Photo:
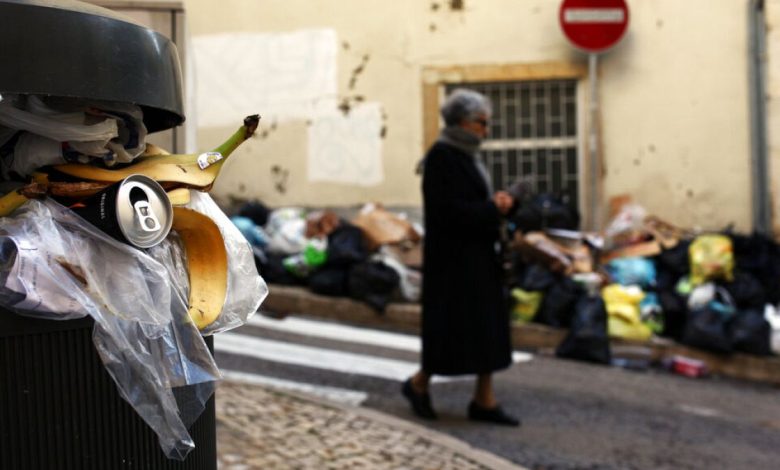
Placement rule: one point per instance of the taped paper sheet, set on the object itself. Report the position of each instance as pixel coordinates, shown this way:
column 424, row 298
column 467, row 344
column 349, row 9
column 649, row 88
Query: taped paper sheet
column 280, row 75
column 347, row 148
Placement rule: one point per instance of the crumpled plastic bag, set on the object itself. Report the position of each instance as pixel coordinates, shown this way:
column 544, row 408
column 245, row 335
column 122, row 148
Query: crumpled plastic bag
column 632, row 270
column 627, row 226
column 246, row 290
column 55, row 265
column 410, row 280
column 286, row 229
column 112, row 132
column 711, row 258
column 525, row 304
column 314, row 255
column 625, row 319
column 772, row 315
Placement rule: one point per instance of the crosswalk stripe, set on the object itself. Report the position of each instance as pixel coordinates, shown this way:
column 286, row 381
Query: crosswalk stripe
column 350, row 333
column 339, row 395
column 338, row 332
column 308, row 356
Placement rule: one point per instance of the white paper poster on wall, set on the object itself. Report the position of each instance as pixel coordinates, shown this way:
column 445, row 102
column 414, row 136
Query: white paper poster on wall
column 347, row 148
column 277, row 75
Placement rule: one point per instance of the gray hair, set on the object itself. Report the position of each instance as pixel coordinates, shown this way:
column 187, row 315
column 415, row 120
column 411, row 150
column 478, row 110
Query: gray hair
column 463, row 105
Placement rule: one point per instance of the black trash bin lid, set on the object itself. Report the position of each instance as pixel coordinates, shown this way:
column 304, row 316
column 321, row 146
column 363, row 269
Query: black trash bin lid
column 73, row 49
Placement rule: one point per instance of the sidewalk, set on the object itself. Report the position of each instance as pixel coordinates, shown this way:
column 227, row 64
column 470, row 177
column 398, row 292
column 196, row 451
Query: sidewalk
column 263, row 428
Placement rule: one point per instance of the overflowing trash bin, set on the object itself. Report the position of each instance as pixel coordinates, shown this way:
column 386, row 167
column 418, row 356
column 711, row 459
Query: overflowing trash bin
column 116, row 267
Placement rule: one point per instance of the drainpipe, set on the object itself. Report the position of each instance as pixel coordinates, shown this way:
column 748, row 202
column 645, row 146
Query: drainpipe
column 759, row 163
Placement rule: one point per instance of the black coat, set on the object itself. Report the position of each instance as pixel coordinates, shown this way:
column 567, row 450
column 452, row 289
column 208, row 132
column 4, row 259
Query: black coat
column 465, row 324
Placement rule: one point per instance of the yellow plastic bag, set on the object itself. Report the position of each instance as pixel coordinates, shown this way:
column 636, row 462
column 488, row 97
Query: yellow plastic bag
column 526, row 304
column 711, row 257
column 624, row 318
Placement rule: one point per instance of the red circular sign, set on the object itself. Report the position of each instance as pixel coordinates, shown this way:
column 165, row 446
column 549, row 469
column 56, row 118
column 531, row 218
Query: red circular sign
column 593, row 25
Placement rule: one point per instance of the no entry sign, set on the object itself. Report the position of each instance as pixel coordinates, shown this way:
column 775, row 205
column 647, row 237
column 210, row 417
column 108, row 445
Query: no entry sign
column 593, row 25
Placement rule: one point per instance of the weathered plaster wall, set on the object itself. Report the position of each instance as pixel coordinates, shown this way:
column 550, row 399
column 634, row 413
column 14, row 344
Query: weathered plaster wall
column 674, row 128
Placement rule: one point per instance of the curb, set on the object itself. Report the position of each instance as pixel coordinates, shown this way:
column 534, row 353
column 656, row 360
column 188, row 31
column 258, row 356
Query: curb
column 283, row 300
column 455, row 445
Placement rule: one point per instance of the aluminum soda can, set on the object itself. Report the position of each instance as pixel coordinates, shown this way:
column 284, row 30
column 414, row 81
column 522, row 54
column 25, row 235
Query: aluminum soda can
column 135, row 210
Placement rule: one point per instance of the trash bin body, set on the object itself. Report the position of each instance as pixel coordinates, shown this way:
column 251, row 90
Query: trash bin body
column 59, row 408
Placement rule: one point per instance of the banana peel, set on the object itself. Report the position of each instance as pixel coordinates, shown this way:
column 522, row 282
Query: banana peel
column 14, row 199
column 179, row 196
column 186, row 170
column 207, row 264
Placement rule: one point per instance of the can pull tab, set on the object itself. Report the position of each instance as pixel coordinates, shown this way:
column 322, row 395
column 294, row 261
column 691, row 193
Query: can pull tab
column 143, row 210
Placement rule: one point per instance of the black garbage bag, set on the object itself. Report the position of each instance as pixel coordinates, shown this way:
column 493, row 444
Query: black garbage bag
column 330, row 280
column 707, row 328
column 675, row 311
column 534, row 277
column 751, row 333
column 544, row 211
column 746, row 291
column 587, row 339
column 273, row 271
column 557, row 308
column 675, row 260
column 759, row 255
column 255, row 210
column 374, row 283
column 346, row 245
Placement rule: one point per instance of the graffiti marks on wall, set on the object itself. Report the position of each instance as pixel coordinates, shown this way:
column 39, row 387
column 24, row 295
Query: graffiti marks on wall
column 279, row 75
column 347, row 147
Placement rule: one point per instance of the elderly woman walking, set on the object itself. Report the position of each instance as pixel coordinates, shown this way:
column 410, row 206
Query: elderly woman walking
column 465, row 319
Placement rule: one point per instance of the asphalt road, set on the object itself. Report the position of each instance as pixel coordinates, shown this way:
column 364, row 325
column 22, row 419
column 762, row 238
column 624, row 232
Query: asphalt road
column 575, row 415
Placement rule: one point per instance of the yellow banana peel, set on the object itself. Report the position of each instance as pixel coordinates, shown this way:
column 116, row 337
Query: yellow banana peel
column 10, row 202
column 179, row 196
column 207, row 264
column 176, row 168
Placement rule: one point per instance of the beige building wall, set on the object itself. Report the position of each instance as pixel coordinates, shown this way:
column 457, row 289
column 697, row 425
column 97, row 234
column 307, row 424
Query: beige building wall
column 674, row 95
column 773, row 106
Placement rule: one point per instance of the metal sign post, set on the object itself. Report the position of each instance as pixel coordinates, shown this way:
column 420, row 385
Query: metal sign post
column 593, row 143
column 593, row 26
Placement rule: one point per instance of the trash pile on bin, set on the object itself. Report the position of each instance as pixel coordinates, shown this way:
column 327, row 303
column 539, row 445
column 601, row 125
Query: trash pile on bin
column 642, row 277
column 374, row 258
column 82, row 194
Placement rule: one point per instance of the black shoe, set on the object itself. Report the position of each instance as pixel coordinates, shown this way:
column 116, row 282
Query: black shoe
column 421, row 402
column 491, row 415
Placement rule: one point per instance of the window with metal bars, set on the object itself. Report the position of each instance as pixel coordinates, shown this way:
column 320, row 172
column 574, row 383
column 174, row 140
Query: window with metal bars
column 533, row 135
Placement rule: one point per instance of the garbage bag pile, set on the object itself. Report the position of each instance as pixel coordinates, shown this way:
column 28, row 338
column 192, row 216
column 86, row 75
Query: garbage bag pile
column 151, row 305
column 644, row 277
column 374, row 258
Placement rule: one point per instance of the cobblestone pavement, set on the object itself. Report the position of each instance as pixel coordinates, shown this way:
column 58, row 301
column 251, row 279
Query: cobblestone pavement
column 261, row 428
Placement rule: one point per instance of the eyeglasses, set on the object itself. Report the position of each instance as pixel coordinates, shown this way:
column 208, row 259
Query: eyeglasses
column 482, row 122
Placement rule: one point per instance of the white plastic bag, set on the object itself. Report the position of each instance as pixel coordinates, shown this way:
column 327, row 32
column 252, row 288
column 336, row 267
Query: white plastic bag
column 142, row 331
column 772, row 316
column 245, row 288
column 286, row 229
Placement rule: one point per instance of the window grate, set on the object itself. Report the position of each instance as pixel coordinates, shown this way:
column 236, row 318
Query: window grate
column 533, row 134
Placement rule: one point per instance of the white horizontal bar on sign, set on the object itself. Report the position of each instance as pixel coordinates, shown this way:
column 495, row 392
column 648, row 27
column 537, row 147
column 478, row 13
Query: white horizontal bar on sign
column 594, row 15
column 339, row 395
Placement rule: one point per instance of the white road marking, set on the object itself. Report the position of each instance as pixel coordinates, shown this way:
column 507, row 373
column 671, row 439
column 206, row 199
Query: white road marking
column 699, row 410
column 339, row 395
column 351, row 334
column 318, row 358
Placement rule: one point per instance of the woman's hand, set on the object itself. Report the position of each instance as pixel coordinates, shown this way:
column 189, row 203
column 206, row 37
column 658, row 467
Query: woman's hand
column 503, row 201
